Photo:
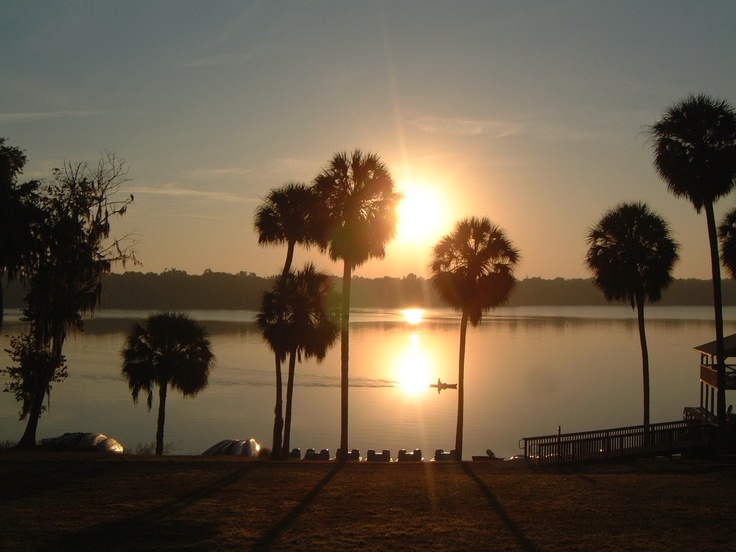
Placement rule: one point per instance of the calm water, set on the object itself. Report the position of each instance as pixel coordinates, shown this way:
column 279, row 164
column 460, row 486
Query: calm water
column 528, row 370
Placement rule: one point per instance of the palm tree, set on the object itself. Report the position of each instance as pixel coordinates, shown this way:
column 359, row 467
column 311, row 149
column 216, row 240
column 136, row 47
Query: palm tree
column 297, row 312
column 473, row 271
column 169, row 349
column 727, row 238
column 358, row 204
column 286, row 216
column 631, row 256
column 695, row 153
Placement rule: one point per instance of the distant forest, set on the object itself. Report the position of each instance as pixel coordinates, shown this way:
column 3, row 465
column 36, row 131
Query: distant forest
column 177, row 290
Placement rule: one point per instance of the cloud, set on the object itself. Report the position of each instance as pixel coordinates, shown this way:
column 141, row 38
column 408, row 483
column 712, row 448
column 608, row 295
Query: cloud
column 43, row 115
column 217, row 172
column 220, row 60
column 465, row 127
column 172, row 191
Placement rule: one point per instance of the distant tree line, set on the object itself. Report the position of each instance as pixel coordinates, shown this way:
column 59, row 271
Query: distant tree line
column 177, row 290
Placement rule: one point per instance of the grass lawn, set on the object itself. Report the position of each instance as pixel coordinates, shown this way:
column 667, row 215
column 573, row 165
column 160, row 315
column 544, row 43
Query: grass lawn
column 65, row 501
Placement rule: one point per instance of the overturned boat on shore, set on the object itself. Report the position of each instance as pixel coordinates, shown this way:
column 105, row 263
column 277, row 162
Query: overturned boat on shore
column 248, row 448
column 83, row 442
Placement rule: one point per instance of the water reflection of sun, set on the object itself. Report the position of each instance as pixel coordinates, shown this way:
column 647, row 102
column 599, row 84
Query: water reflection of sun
column 413, row 316
column 413, row 368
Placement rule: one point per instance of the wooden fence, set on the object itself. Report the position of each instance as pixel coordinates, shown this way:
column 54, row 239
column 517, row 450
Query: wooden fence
column 664, row 438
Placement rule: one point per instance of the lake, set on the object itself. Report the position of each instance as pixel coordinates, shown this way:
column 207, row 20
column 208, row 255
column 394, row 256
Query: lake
column 528, row 371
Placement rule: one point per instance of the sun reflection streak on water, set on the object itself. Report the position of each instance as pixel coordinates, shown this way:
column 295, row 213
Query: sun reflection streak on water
column 413, row 368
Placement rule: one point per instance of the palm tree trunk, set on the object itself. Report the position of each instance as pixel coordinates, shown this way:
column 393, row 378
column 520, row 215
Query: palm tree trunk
column 162, row 389
column 718, row 307
column 461, row 388
column 644, row 358
column 289, row 395
column 289, row 258
column 344, row 355
column 278, row 419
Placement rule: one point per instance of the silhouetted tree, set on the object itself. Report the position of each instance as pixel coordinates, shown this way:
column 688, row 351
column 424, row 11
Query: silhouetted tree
column 18, row 214
column 73, row 255
column 472, row 270
column 631, row 256
column 169, row 349
column 727, row 237
column 358, row 211
column 37, row 368
column 695, row 153
column 297, row 319
column 286, row 216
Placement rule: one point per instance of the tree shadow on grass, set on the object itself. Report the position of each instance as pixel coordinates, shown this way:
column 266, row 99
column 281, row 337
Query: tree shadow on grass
column 23, row 480
column 268, row 539
column 154, row 528
column 524, row 542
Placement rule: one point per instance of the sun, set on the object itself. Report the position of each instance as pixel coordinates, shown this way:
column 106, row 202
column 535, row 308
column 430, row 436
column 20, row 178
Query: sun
column 421, row 213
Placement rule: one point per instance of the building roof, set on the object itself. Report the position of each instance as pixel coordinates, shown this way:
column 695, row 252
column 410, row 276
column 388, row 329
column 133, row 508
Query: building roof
column 729, row 345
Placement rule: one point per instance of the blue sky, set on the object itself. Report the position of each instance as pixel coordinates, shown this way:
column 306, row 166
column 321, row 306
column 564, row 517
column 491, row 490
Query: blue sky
column 529, row 113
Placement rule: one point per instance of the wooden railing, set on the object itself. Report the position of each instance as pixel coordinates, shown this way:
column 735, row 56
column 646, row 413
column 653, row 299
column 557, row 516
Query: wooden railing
column 664, row 438
column 709, row 375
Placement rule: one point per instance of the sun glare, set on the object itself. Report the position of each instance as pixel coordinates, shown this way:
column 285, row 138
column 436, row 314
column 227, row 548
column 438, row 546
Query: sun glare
column 420, row 213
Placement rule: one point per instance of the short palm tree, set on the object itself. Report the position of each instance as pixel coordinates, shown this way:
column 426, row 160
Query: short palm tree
column 296, row 319
column 631, row 255
column 169, row 349
column 472, row 270
column 286, row 216
column 357, row 206
column 695, row 153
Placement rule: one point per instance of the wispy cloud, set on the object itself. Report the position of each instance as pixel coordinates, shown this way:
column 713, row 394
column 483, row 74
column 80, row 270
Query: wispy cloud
column 44, row 115
column 217, row 172
column 465, row 127
column 175, row 192
column 219, row 60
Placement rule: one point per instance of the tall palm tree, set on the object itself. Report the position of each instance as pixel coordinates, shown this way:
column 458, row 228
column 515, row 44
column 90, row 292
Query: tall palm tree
column 695, row 153
column 286, row 216
column 631, row 255
column 169, row 349
column 358, row 211
column 473, row 271
column 727, row 239
column 298, row 312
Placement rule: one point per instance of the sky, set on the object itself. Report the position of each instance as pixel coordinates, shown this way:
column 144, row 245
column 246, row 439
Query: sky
column 530, row 113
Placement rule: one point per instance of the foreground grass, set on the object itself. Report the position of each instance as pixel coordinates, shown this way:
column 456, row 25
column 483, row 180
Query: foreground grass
column 89, row 502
